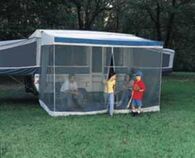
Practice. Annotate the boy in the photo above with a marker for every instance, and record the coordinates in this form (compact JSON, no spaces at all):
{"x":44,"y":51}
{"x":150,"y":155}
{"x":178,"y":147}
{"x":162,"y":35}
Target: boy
{"x":137,"y":93}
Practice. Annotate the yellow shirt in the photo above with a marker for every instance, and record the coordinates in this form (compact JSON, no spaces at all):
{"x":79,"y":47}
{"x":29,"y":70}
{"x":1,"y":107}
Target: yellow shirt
{"x":109,"y":86}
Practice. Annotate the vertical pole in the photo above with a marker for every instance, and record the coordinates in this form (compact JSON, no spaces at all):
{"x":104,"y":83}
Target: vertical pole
{"x":90,"y":51}
{"x":54,"y":78}
{"x":103,"y":59}
{"x":38,"y":50}
{"x":107,"y":66}
{"x":113,"y":59}
{"x":161,"y":65}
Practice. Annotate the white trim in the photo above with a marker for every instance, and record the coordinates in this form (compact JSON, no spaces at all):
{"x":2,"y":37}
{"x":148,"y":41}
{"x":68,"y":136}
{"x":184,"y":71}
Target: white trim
{"x":78,"y":113}
{"x":43,"y":105}
{"x":125,"y":111}
{"x":21,"y":43}
{"x":135,"y":67}
{"x":98,"y":45}
{"x":147,"y":109}
{"x":79,"y":67}
{"x":71,"y":66}
{"x":19,"y":67}
{"x":52,"y":113}
{"x":86,"y":34}
{"x":171,"y":60}
{"x":167,"y":67}
{"x":8,"y":42}
{"x":166,"y":50}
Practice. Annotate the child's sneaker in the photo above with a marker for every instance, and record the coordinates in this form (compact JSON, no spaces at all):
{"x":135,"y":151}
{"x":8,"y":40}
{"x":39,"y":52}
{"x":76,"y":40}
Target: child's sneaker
{"x":133,"y":113}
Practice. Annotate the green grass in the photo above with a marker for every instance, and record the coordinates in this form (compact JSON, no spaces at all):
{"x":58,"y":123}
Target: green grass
{"x":27,"y":131}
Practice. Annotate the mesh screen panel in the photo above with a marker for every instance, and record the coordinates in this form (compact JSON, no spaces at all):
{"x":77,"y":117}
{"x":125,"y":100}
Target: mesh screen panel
{"x":47,"y":77}
{"x":73,"y":77}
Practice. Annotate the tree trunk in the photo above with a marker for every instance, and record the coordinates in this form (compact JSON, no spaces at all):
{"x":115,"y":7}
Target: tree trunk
{"x":158,"y":24}
{"x":170,"y":25}
{"x":79,"y":17}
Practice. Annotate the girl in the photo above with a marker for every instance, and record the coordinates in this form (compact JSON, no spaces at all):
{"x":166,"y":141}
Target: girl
{"x":110,"y":85}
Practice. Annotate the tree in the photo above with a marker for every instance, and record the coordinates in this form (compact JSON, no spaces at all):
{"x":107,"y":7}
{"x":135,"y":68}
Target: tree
{"x":88,"y":11}
{"x":35,"y":14}
{"x":170,"y":21}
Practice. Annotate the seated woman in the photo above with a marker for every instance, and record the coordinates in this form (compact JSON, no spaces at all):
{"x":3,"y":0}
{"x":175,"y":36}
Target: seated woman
{"x":126,"y":91}
{"x":71,"y":93}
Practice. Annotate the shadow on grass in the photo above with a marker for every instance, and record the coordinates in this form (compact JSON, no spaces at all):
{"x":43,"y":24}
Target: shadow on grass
{"x":14,"y":95}
{"x":29,"y":101}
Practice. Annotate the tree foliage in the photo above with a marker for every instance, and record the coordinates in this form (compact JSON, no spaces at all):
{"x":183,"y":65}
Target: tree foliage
{"x":170,"y":21}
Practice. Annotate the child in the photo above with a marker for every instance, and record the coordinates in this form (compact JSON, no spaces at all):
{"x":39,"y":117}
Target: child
{"x":110,"y":85}
{"x":126,"y":91}
{"x":137,"y":93}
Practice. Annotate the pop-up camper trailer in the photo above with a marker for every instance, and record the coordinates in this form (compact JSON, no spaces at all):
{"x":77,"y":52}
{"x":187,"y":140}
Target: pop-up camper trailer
{"x":83,"y":56}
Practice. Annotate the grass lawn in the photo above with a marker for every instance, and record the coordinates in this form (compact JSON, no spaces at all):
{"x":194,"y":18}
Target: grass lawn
{"x":27,"y":131}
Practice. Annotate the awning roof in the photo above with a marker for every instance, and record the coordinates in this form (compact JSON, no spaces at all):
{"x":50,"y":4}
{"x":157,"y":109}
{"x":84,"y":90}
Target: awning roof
{"x":18,"y":57}
{"x":92,"y":38}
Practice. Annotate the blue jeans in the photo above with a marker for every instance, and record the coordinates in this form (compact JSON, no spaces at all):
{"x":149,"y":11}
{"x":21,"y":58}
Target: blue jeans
{"x":111,"y":103}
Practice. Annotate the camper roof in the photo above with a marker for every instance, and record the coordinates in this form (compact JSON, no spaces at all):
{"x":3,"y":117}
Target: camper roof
{"x":92,"y":38}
